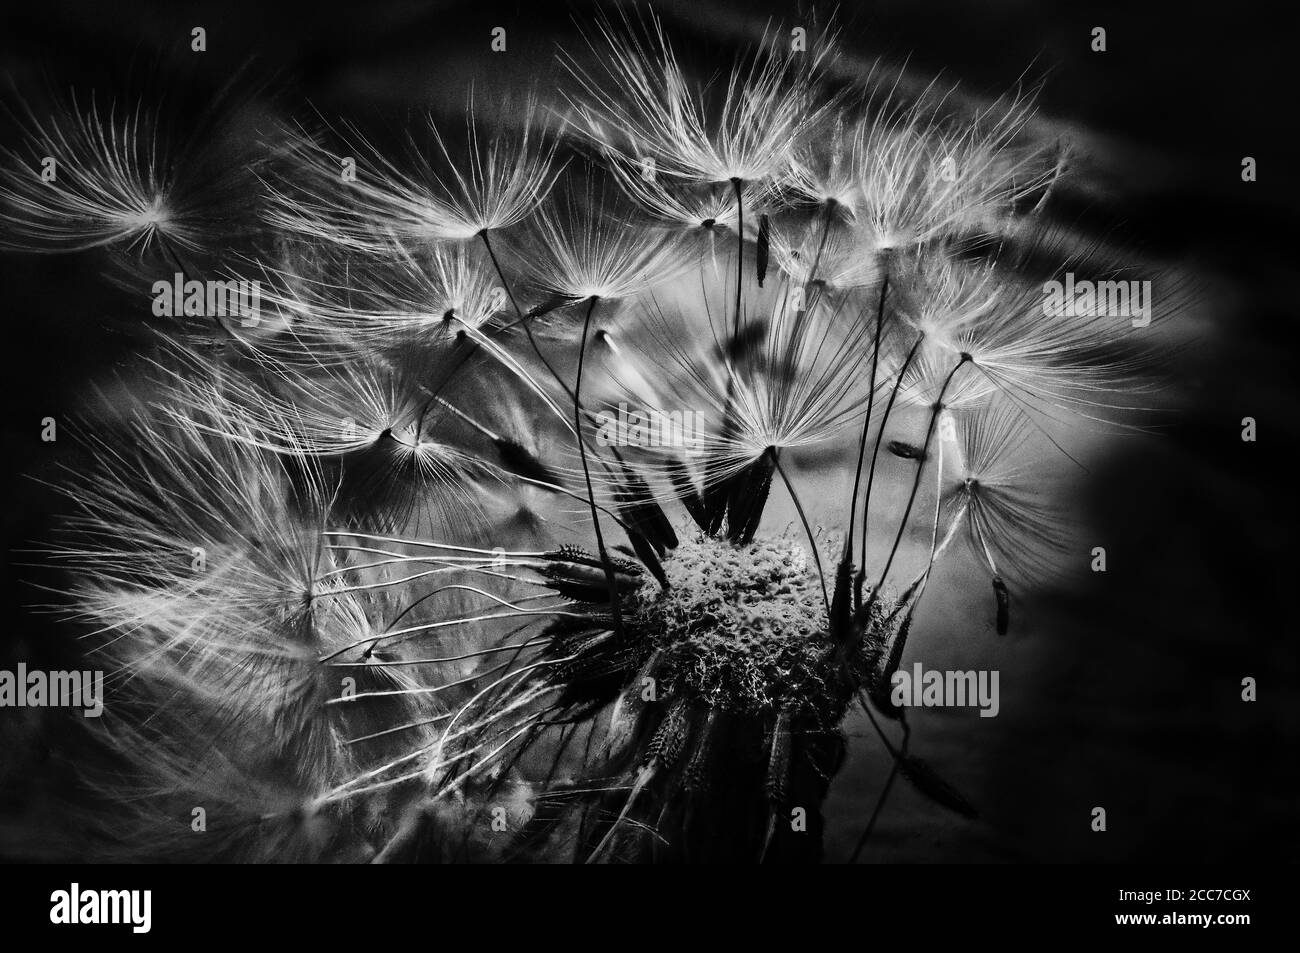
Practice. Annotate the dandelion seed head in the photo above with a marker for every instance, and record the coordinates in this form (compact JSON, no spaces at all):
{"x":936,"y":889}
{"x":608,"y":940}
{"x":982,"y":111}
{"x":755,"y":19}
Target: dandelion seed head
{"x":742,"y":625}
{"x":301,"y":468}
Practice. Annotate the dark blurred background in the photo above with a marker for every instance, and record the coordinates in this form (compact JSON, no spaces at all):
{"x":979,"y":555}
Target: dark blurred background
{"x":1122,"y":693}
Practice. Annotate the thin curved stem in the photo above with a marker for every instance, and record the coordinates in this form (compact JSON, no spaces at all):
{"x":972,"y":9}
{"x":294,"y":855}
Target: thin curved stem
{"x":916,"y":483}
{"x":586,"y":472}
{"x":898,"y":756}
{"x":810,"y":281}
{"x":523,"y":322}
{"x":866,"y":426}
{"x":174,"y":257}
{"x":871,"y":471}
{"x":739,"y":186}
{"x":807,"y":528}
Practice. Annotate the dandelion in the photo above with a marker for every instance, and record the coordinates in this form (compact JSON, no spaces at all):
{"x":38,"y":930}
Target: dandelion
{"x":353,"y":587}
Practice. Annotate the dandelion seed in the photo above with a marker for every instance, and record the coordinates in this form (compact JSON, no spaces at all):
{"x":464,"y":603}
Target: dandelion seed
{"x":219,"y":696}
{"x":838,"y":260}
{"x":121,"y":181}
{"x":642,"y":92}
{"x":996,"y":497}
{"x":583,"y":249}
{"x":674,"y":204}
{"x":372,"y":419}
{"x":435,"y":196}
{"x":797,"y":386}
{"x":408,"y":296}
{"x":996,"y":317}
